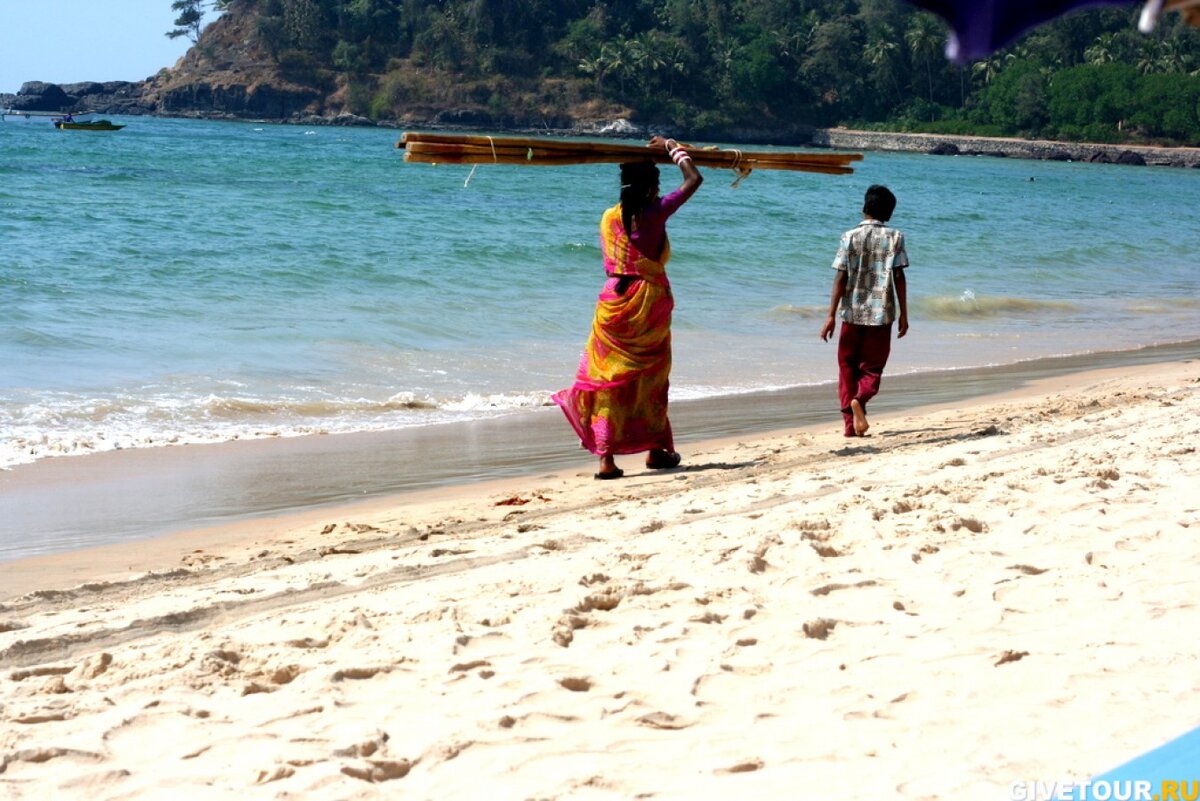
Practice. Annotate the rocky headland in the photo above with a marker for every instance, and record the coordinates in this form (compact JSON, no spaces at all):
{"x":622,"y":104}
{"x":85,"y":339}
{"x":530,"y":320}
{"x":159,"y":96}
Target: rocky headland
{"x":228,"y":75}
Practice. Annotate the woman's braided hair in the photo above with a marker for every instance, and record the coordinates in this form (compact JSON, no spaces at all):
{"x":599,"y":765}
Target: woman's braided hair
{"x":639,"y":185}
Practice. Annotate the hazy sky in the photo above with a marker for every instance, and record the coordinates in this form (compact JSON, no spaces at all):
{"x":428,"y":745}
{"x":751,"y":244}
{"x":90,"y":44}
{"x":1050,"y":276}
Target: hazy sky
{"x":68,"y":41}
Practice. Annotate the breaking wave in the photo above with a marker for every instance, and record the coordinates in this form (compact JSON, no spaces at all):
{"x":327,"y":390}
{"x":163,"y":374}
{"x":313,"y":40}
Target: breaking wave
{"x":969,"y":306}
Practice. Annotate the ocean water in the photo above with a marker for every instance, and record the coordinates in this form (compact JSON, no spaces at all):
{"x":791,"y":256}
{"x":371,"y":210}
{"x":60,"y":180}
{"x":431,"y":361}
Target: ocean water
{"x":186,"y":281}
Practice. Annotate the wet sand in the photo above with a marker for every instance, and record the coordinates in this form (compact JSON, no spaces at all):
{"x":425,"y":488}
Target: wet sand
{"x":70,"y":503}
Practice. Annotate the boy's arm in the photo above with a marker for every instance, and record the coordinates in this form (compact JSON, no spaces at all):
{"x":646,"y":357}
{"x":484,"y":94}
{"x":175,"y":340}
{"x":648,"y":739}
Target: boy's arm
{"x":901,"y":301}
{"x":839,"y":289}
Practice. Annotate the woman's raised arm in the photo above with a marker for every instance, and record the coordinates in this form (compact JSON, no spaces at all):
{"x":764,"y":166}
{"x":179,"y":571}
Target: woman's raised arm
{"x":678,"y":153}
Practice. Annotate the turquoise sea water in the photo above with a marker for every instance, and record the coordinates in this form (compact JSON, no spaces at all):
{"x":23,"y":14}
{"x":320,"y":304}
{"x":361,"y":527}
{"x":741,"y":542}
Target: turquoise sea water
{"x":189,"y":281}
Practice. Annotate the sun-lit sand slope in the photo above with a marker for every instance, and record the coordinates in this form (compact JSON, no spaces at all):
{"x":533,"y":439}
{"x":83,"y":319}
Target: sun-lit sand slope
{"x":965,"y":598}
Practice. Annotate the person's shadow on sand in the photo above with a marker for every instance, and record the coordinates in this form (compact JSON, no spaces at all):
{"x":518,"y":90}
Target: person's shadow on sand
{"x":696,"y":468}
{"x":856,"y":450}
{"x":937,"y":436}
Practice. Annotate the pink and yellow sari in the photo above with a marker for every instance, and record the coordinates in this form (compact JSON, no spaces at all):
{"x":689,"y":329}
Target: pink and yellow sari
{"x":619,"y":401}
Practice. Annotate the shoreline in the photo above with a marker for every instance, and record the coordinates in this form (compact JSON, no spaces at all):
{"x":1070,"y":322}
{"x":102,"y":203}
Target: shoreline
{"x":134,"y":494}
{"x":836,"y":138}
{"x":175,"y":493}
{"x":977,"y":594}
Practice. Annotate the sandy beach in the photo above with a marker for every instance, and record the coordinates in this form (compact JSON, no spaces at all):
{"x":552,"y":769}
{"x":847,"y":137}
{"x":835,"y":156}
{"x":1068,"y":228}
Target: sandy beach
{"x":979,"y":593}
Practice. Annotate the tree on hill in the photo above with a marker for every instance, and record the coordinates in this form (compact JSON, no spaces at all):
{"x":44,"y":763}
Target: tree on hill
{"x":191,"y":16}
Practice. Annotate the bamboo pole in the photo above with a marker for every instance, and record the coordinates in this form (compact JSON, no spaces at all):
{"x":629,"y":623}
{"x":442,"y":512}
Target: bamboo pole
{"x":472,"y":149}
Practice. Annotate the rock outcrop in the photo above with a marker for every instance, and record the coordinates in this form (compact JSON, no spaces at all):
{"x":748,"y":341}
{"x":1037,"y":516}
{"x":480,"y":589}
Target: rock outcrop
{"x":237,"y":100}
{"x":111,"y":97}
{"x":40,"y":96}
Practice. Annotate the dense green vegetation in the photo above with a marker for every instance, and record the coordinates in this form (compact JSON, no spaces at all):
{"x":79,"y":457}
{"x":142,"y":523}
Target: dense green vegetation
{"x":705,"y":65}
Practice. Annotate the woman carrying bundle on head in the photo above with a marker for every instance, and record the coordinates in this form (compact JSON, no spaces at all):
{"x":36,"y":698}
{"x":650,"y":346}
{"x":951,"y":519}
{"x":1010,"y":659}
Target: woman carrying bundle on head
{"x":618,"y":404}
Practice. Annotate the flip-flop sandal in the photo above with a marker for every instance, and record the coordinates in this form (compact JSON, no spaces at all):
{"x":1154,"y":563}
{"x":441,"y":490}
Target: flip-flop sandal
{"x":609,"y":476}
{"x":672,"y":459}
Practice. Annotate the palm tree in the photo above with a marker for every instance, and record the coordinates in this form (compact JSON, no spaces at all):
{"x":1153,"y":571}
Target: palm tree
{"x":607,"y":61}
{"x":618,"y":56}
{"x":1103,"y":50}
{"x":987,"y":69}
{"x":882,"y":52}
{"x":925,"y":38}
{"x":644,"y":52}
{"x":1174,"y":56}
{"x":676,"y":64}
{"x":1149,"y":57}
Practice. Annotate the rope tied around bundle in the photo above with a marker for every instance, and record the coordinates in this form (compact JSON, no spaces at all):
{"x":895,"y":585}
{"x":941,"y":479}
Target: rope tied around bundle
{"x":740,"y":170}
{"x":495,"y":160}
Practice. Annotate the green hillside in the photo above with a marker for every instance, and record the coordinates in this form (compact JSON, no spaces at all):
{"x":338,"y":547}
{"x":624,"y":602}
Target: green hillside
{"x":707,"y":66}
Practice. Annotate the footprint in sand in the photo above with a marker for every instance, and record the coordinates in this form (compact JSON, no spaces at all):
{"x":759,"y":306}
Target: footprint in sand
{"x":55,"y":686}
{"x":42,"y":755}
{"x":222,"y":662}
{"x":367,"y":748}
{"x":359,"y":674}
{"x":93,"y":666}
{"x":43,"y":717}
{"x":308,"y":642}
{"x":664,"y":721}
{"x":970,"y":524}
{"x":281,"y":772}
{"x":563,"y":633}
{"x":1010,"y":656}
{"x":39,"y":672}
{"x":377,"y":771}
{"x":820,"y":628}
{"x":278,"y":676}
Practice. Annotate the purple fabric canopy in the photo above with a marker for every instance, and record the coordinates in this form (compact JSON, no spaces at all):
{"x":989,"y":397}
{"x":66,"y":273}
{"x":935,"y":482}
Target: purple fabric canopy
{"x":981,"y":27}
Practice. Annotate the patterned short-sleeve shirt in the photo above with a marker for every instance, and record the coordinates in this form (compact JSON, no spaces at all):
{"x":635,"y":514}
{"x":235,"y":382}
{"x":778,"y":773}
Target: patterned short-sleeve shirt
{"x":868,"y":254}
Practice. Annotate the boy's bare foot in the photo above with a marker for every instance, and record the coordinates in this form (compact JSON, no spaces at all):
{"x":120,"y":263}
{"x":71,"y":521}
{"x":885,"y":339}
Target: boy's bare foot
{"x":860,"y":417}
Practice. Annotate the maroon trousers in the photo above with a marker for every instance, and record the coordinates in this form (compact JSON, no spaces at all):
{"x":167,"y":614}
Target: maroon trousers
{"x":862,"y":353}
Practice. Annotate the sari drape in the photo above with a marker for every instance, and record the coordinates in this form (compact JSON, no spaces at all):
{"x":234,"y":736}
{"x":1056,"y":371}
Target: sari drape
{"x":618,"y":403}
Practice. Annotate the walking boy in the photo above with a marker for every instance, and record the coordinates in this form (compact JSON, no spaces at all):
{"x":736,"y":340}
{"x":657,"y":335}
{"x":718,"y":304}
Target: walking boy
{"x":869,"y":290}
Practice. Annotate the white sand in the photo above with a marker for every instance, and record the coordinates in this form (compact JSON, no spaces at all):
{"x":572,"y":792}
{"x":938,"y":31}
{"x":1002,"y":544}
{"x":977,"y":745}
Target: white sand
{"x":966,"y":598}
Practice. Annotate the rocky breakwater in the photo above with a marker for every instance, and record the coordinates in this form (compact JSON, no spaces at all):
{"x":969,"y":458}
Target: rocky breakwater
{"x":937,"y":144}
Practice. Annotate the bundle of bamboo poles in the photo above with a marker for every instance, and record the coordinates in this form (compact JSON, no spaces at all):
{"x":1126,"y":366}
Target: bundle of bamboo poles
{"x":461,"y":149}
